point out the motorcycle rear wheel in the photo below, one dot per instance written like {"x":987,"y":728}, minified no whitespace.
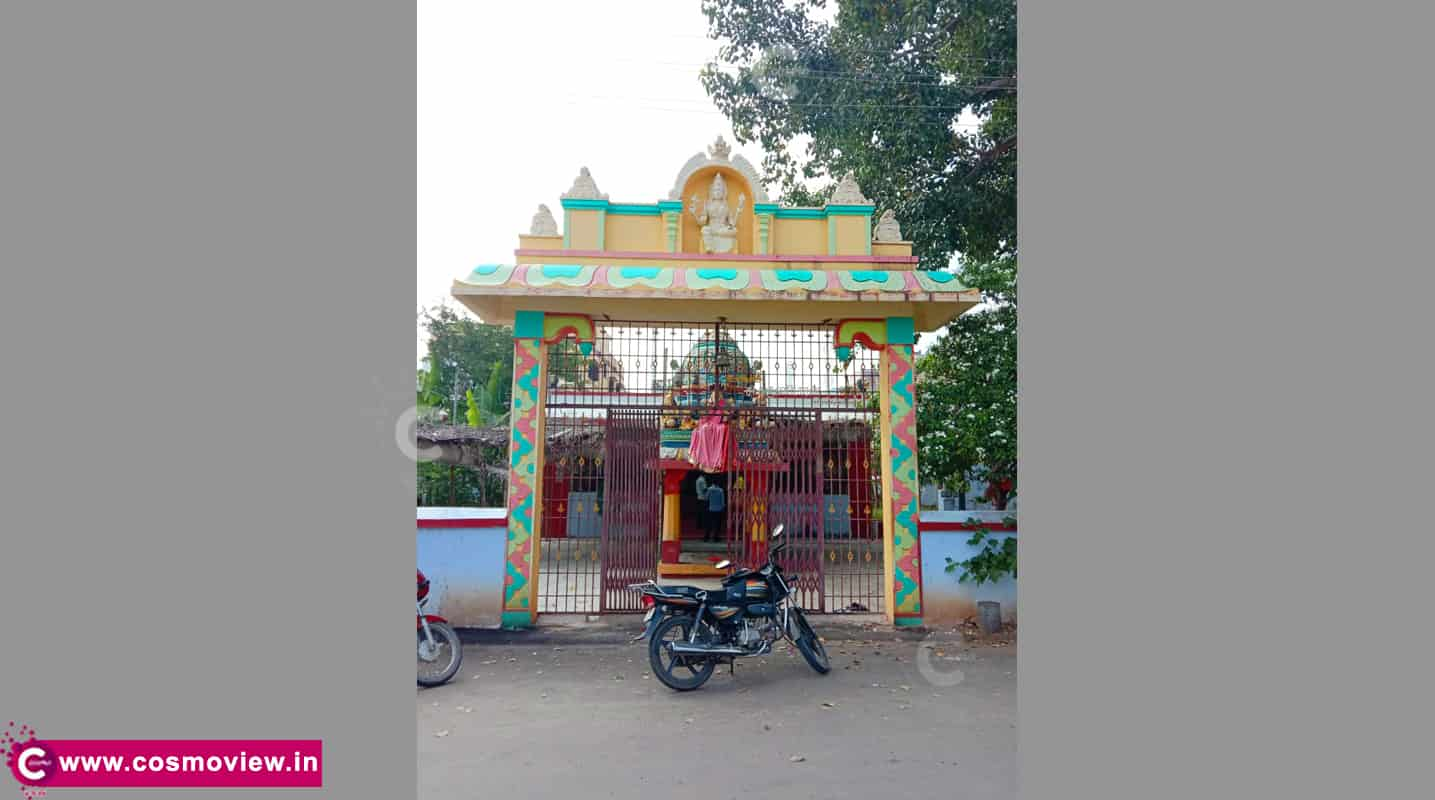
{"x":683,"y":673}
{"x":448,"y":655}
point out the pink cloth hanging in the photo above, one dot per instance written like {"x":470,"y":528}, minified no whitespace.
{"x":710,"y":444}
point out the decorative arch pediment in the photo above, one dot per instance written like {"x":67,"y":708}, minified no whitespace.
{"x":701,"y":161}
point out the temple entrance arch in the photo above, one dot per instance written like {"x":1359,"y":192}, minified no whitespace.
{"x":826,"y":308}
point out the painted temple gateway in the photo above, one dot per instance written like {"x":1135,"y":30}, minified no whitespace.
{"x":712,"y":338}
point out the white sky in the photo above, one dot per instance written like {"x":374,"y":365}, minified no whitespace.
{"x":500,"y":130}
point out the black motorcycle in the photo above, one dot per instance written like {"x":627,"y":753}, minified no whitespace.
{"x":691,"y":630}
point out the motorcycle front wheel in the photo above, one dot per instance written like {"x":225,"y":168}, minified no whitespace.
{"x":683,"y":673}
{"x":439,"y":662}
{"x":809,"y":645}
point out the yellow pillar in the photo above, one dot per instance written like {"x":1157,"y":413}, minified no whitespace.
{"x":672,"y":546}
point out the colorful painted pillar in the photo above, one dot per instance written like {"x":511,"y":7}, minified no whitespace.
{"x":533,"y":331}
{"x":672,"y":547}
{"x":758,"y":526}
{"x":894,"y":338}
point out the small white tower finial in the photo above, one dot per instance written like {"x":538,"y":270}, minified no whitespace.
{"x":848,"y":192}
{"x":719,"y":149}
{"x":584,"y":188}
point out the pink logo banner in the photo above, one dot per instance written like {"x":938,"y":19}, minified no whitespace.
{"x":167,"y":763}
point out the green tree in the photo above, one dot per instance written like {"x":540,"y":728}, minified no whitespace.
{"x":487,"y":407}
{"x":495,"y":401}
{"x":431,"y":391}
{"x":966,"y":409}
{"x":917,"y":98}
{"x":444,"y":485}
{"x":880,"y":92}
{"x":473,"y":413}
{"x":463,"y":346}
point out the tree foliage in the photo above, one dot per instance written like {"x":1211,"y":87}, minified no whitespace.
{"x":886,"y":90}
{"x":443,"y":485}
{"x":966,"y":414}
{"x":478,"y":358}
{"x":487,"y":406}
{"x":879,"y":92}
{"x":464,"y":351}
{"x":994,"y":561}
{"x":966,"y":411}
{"x":473,"y":413}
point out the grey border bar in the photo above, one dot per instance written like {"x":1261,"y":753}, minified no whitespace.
{"x":209,"y":238}
{"x":1224,"y":404}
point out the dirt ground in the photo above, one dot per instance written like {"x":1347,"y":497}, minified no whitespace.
{"x":931,"y":718}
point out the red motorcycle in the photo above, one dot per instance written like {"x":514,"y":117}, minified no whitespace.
{"x":440,"y":653}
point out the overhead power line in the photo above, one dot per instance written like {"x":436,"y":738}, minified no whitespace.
{"x":649,"y":102}
{"x":881,"y":73}
{"x":844,"y":49}
{"x":944,"y":111}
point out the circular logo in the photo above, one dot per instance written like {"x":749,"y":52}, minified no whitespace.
{"x":33,"y":763}
{"x":405,"y":434}
{"x":927,"y":655}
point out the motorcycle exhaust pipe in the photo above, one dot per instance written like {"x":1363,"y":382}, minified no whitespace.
{"x":686,"y":649}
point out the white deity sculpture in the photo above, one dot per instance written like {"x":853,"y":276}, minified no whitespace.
{"x":543,"y":223}
{"x":888,"y":230}
{"x":719,"y":223}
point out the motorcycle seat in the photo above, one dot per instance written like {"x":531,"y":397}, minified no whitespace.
{"x":685,"y":591}
{"x":741,"y":574}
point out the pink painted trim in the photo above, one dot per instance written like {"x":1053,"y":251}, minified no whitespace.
{"x":470,"y":522}
{"x":552,"y":393}
{"x":665,"y":256}
{"x":947,"y":525}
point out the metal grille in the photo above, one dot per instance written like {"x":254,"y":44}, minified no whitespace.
{"x":779,"y":366}
{"x":571,"y":557}
{"x":633,"y":498}
{"x":625,"y":409}
{"x":776,"y":479}
{"x":852,"y":516}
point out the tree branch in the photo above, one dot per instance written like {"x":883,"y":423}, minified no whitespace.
{"x":985,"y":159}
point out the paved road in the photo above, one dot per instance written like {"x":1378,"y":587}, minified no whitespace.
{"x":585,"y":720}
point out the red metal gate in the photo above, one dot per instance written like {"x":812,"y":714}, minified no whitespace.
{"x":776,"y":479}
{"x":806,"y":422}
{"x":570,"y":552}
{"x":632,"y":503}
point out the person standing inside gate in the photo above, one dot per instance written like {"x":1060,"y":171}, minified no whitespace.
{"x":716,"y":504}
{"x":702,"y":486}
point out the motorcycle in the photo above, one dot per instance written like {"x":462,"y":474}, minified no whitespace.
{"x":691,"y":630}
{"x":440,"y":653}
